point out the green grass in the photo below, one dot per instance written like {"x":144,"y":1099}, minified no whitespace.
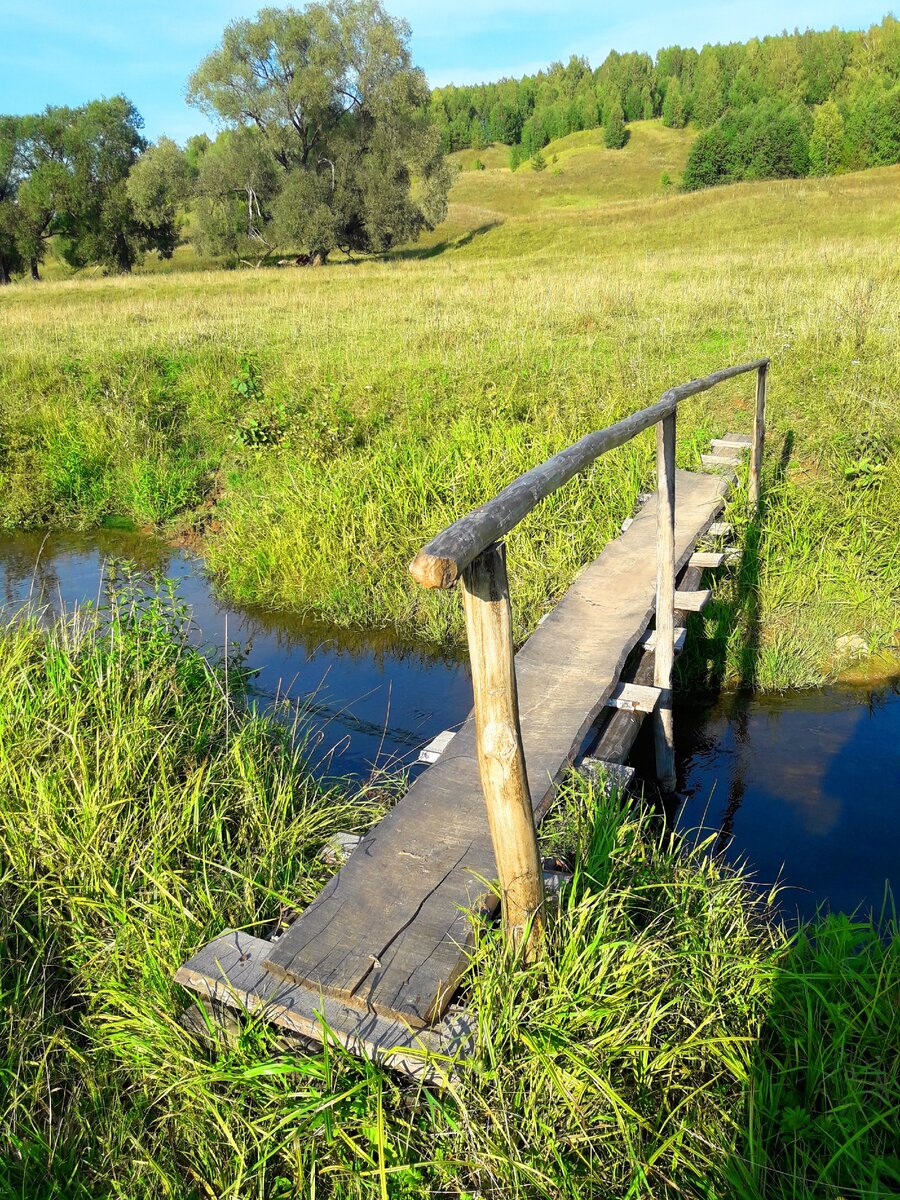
{"x":399,"y":393}
{"x":673,"y":1041}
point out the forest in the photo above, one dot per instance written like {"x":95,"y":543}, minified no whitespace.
{"x":812,"y":103}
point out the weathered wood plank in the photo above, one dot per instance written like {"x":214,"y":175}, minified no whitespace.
{"x":634,"y":697}
{"x":708,"y":559}
{"x":693,"y":601}
{"x":720,"y":529}
{"x":759,"y":435}
{"x":440,"y":563}
{"x":389,"y":931}
{"x":664,"y":654}
{"x":720,"y":460}
{"x":648,"y":641}
{"x":739,"y":442}
{"x":229,"y":970}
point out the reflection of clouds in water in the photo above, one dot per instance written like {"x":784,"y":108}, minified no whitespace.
{"x":802,"y":754}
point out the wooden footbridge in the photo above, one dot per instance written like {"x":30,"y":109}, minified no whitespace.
{"x":377,"y":956}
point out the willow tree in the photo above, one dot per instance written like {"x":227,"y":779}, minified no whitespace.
{"x":329,"y":98}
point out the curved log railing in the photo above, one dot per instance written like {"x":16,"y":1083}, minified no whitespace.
{"x":470,"y":551}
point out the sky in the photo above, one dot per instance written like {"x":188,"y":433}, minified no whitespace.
{"x":71,"y":51}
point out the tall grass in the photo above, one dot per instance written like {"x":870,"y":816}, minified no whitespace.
{"x":674,"y":1040}
{"x":390,"y":397}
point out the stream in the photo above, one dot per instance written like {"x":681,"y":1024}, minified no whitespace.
{"x":804,"y":786}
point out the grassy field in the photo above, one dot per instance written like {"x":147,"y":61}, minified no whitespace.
{"x":309,"y":430}
{"x":674,"y":1041}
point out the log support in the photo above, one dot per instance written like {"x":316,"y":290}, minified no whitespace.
{"x":501,"y":756}
{"x":664,"y":652}
{"x":759,"y":436}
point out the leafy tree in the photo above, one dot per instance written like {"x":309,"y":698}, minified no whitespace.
{"x":827,"y":140}
{"x":615,"y":135}
{"x":673,"y":110}
{"x":709,"y":99}
{"x":159,"y":185}
{"x":10,"y":253}
{"x":538,"y":162}
{"x":100,"y":225}
{"x":336,"y":107}
{"x":515,"y":157}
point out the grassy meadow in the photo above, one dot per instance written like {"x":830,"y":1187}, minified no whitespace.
{"x":308,"y":430}
{"x":674,"y":1040}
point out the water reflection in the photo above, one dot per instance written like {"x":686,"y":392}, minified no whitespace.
{"x":805,"y":785}
{"x":373,"y":703}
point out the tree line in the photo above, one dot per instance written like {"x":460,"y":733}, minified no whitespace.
{"x":811,"y":102}
{"x":326,"y":143}
{"x":330,"y":139}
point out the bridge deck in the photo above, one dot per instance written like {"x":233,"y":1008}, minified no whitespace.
{"x":389,"y":933}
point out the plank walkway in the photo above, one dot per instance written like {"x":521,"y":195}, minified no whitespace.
{"x":388,"y":937}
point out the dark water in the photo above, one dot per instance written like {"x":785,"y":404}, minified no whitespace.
{"x":372,"y":704}
{"x":805,"y":786}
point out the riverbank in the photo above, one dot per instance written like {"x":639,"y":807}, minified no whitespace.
{"x":308,"y":431}
{"x":651,"y":1052}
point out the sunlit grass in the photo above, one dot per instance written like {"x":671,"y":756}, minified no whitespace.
{"x":401,"y":393}
{"x":674,"y":1040}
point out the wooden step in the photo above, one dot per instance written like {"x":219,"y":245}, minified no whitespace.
{"x":719,"y":460}
{"x":740,"y":442}
{"x":648,"y":641}
{"x":633,"y":697}
{"x":719,"y":529}
{"x":432,"y":752}
{"x":707,"y":559}
{"x":692,"y":601}
{"x":230,"y":970}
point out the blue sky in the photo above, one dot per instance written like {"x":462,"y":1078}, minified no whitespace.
{"x":59,"y":52}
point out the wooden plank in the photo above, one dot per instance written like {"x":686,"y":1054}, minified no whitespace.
{"x":634,"y":698}
{"x":390,"y":931}
{"x":708,"y":559}
{"x":648,"y":641}
{"x":739,"y":443}
{"x":693,"y":601}
{"x":501,"y":756}
{"x":719,"y":460}
{"x":229,"y":970}
{"x":440,"y":563}
{"x":719,"y":529}
{"x":432,"y":752}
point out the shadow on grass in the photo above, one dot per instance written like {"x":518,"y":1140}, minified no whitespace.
{"x":421,"y":252}
{"x":822,"y":1106}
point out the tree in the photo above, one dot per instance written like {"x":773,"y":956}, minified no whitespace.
{"x":10,"y":253}
{"x":159,"y":184}
{"x":615,"y":135}
{"x":538,"y":163}
{"x":100,"y":224}
{"x":673,"y":109}
{"x":827,"y":140}
{"x":329,"y":99}
{"x":708,"y":90}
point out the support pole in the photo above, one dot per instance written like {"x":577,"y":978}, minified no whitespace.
{"x":664,"y":654}
{"x":501,"y":758}
{"x":759,"y":435}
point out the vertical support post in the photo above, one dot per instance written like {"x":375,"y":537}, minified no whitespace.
{"x":501,"y":757}
{"x":664,"y":654}
{"x":759,"y":436}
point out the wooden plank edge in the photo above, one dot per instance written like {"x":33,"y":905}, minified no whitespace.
{"x":707,"y":559}
{"x":229,"y":970}
{"x":634,"y":697}
{"x":693,"y":601}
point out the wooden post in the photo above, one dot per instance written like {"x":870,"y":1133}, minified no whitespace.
{"x":501,"y":758}
{"x":664,"y":653}
{"x":759,"y":436}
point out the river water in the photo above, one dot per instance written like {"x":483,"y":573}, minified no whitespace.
{"x":805,"y":787}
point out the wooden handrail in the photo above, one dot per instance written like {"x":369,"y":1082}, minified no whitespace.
{"x":470,"y":550}
{"x":442,"y":561}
